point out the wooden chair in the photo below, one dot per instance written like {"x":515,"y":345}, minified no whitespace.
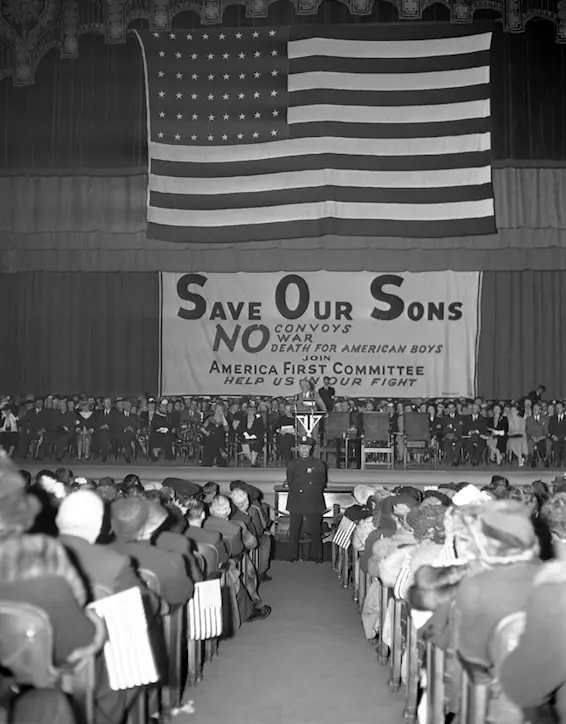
{"x":377,"y":442}
{"x":417,"y":440}
{"x":26,"y":650}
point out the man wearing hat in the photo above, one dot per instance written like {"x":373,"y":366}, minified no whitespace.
{"x":306,"y":479}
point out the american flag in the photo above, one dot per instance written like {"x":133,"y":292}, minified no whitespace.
{"x":343,"y":535}
{"x":355,"y":130}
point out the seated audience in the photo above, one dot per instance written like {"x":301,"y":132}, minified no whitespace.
{"x":135,"y":521}
{"x":219,"y":512}
{"x":195,"y":514}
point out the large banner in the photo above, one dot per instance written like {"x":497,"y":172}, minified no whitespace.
{"x":373,"y":335}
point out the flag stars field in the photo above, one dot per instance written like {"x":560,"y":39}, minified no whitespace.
{"x":278,"y":133}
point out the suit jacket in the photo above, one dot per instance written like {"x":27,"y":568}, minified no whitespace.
{"x":230,"y":532}
{"x":170,"y":568}
{"x":209,"y":537}
{"x":101,"y":565}
{"x":100,"y":418}
{"x":327,"y":396}
{"x":32,"y":421}
{"x":452,"y":427}
{"x":178,"y":543}
{"x":257,"y":429}
{"x":537,"y":429}
{"x":557,"y":427}
{"x":306,"y":478}
{"x":469,"y":427}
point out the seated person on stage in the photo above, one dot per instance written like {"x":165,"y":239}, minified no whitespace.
{"x":537,"y":435}
{"x":35,"y":570}
{"x":30,"y":429}
{"x":161,"y":433}
{"x":284,"y":429}
{"x":214,"y":430}
{"x":104,"y":570}
{"x":67,"y":424}
{"x":101,"y":426}
{"x":475,"y":431}
{"x":135,"y":522}
{"x":195,"y":514}
{"x":251,"y":434}
{"x":452,"y":436}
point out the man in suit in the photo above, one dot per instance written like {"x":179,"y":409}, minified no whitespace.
{"x":103,"y":422}
{"x":122,"y":428}
{"x":537,"y":434}
{"x":195,"y":513}
{"x":474,"y":430}
{"x":306,"y":479}
{"x":220,"y":510}
{"x":134,"y":522}
{"x":104,"y":570}
{"x":557,"y":432}
{"x":452,"y":436}
{"x":327,"y":393}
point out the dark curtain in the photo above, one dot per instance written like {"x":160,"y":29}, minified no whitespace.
{"x":522,"y":341}
{"x":65,"y":333}
{"x":89,"y":114}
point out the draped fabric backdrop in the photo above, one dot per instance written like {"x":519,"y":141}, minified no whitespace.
{"x":64,"y":333}
{"x":73,"y":158}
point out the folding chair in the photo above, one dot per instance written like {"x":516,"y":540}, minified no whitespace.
{"x":377,"y":444}
{"x":26,"y":650}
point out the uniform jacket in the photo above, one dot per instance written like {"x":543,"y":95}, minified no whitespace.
{"x":170,"y":568}
{"x":101,"y":565}
{"x":306,"y":478}
{"x":537,"y":428}
{"x":208,"y":537}
{"x":230,"y":532}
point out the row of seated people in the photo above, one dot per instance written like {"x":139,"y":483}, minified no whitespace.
{"x":217,"y":431}
{"x":67,"y":543}
{"x":481,"y":576}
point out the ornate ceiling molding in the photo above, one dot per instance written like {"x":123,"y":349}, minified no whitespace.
{"x":30,"y":28}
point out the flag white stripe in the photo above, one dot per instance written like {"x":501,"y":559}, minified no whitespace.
{"x":441,"y":145}
{"x":320,"y":210}
{"x":335,"y":48}
{"x":317,"y":178}
{"x":388,"y":81}
{"x":389,"y":114}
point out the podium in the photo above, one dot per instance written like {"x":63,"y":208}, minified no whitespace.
{"x":307,"y":422}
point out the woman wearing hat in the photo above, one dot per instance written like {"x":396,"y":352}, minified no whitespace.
{"x":215,"y":430}
{"x":251,"y":433}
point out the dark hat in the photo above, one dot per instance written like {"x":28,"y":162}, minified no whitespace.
{"x":183,"y":487}
{"x":409,"y":490}
{"x":130,"y":515}
{"x":305,"y":440}
{"x":444,"y":499}
{"x":28,"y":399}
{"x":253,"y":493}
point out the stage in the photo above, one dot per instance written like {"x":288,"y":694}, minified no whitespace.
{"x":266,"y":478}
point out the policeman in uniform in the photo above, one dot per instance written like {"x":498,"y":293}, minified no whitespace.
{"x":306,"y":479}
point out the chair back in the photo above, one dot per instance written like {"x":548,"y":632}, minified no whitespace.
{"x":337,"y":425}
{"x":503,"y":641}
{"x":26,"y":644}
{"x":210,"y":556}
{"x":417,"y":427}
{"x":150,"y":580}
{"x":99,"y":591}
{"x":376,"y":426}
